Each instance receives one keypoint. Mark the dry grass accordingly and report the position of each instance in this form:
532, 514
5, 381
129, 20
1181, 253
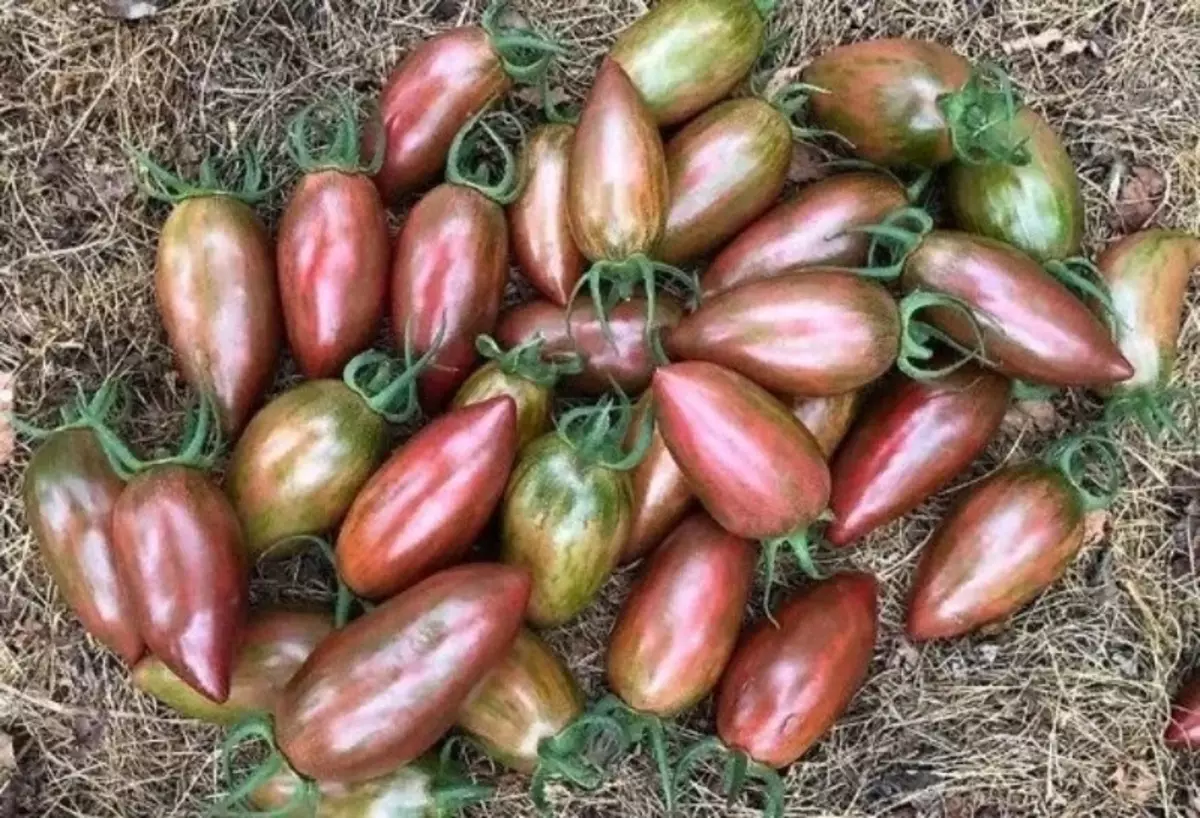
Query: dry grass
1057, 713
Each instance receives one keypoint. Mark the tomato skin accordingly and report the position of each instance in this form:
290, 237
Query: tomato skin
426, 505
179, 554
1033, 327
827, 419
301, 462
1010, 537
882, 95
1147, 275
817, 332
538, 221
529, 696
617, 190
912, 439
381, 691
215, 287
69, 493
565, 521
661, 494
533, 401
1183, 731
332, 257
726, 168
807, 231
448, 276
756, 470
785, 686
1037, 207
684, 55
406, 792
628, 360
274, 645
428, 98
678, 627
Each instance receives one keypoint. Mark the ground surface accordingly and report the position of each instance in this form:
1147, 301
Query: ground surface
1057, 713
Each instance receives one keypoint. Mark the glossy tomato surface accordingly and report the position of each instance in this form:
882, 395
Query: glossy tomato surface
827, 419
1183, 730
426, 505
661, 494
679, 624
757, 471
408, 792
534, 401
788, 683
378, 693
215, 287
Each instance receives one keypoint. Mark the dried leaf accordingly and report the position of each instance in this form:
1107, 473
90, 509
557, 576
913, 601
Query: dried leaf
1040, 413
1140, 191
1135, 782
1038, 42
6, 405
132, 9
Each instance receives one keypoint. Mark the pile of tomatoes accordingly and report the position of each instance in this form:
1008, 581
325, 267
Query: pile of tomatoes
747, 376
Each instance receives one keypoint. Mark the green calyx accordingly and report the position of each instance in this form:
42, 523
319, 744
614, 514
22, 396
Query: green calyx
1088, 458
647, 731
597, 432
1083, 277
528, 361
1153, 409
388, 386
450, 789
482, 160
325, 136
343, 597
199, 448
525, 54
571, 755
765, 8
110, 399
981, 118
159, 183
235, 804
800, 543
893, 240
915, 336
739, 769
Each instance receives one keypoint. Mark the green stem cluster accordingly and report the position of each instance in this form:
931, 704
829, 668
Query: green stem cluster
325, 136
981, 118
473, 161
569, 755
644, 730
1153, 409
159, 183
739, 769
597, 436
255, 728
1078, 455
110, 399
528, 361
525, 54
1082, 276
388, 386
200, 446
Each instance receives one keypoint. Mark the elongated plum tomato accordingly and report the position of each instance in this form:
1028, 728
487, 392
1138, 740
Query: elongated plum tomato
627, 360
332, 249
912, 439
827, 419
757, 471
678, 626
816, 332
1033, 327
537, 220
684, 55
274, 645
726, 167
1183, 730
661, 494
426, 505
378, 693
810, 230
1036, 207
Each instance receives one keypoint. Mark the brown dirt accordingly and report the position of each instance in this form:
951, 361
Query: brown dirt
1057, 713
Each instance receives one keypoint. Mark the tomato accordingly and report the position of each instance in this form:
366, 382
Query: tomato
378, 693
332, 249
627, 360
827, 419
426, 505
813, 229
1007, 539
1183, 730
910, 442
1033, 327
1036, 207
684, 55
757, 471
661, 495
725, 168
274, 644
537, 220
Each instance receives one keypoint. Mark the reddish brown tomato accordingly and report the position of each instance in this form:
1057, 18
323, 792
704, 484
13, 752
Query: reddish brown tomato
1006, 540
1183, 731
913, 438
428, 98
810, 230
426, 505
332, 256
537, 220
627, 359
756, 470
69, 492
726, 167
448, 276
788, 683
1033, 327
378, 693
828, 419
617, 192
817, 332
679, 625
216, 293
179, 552
661, 494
